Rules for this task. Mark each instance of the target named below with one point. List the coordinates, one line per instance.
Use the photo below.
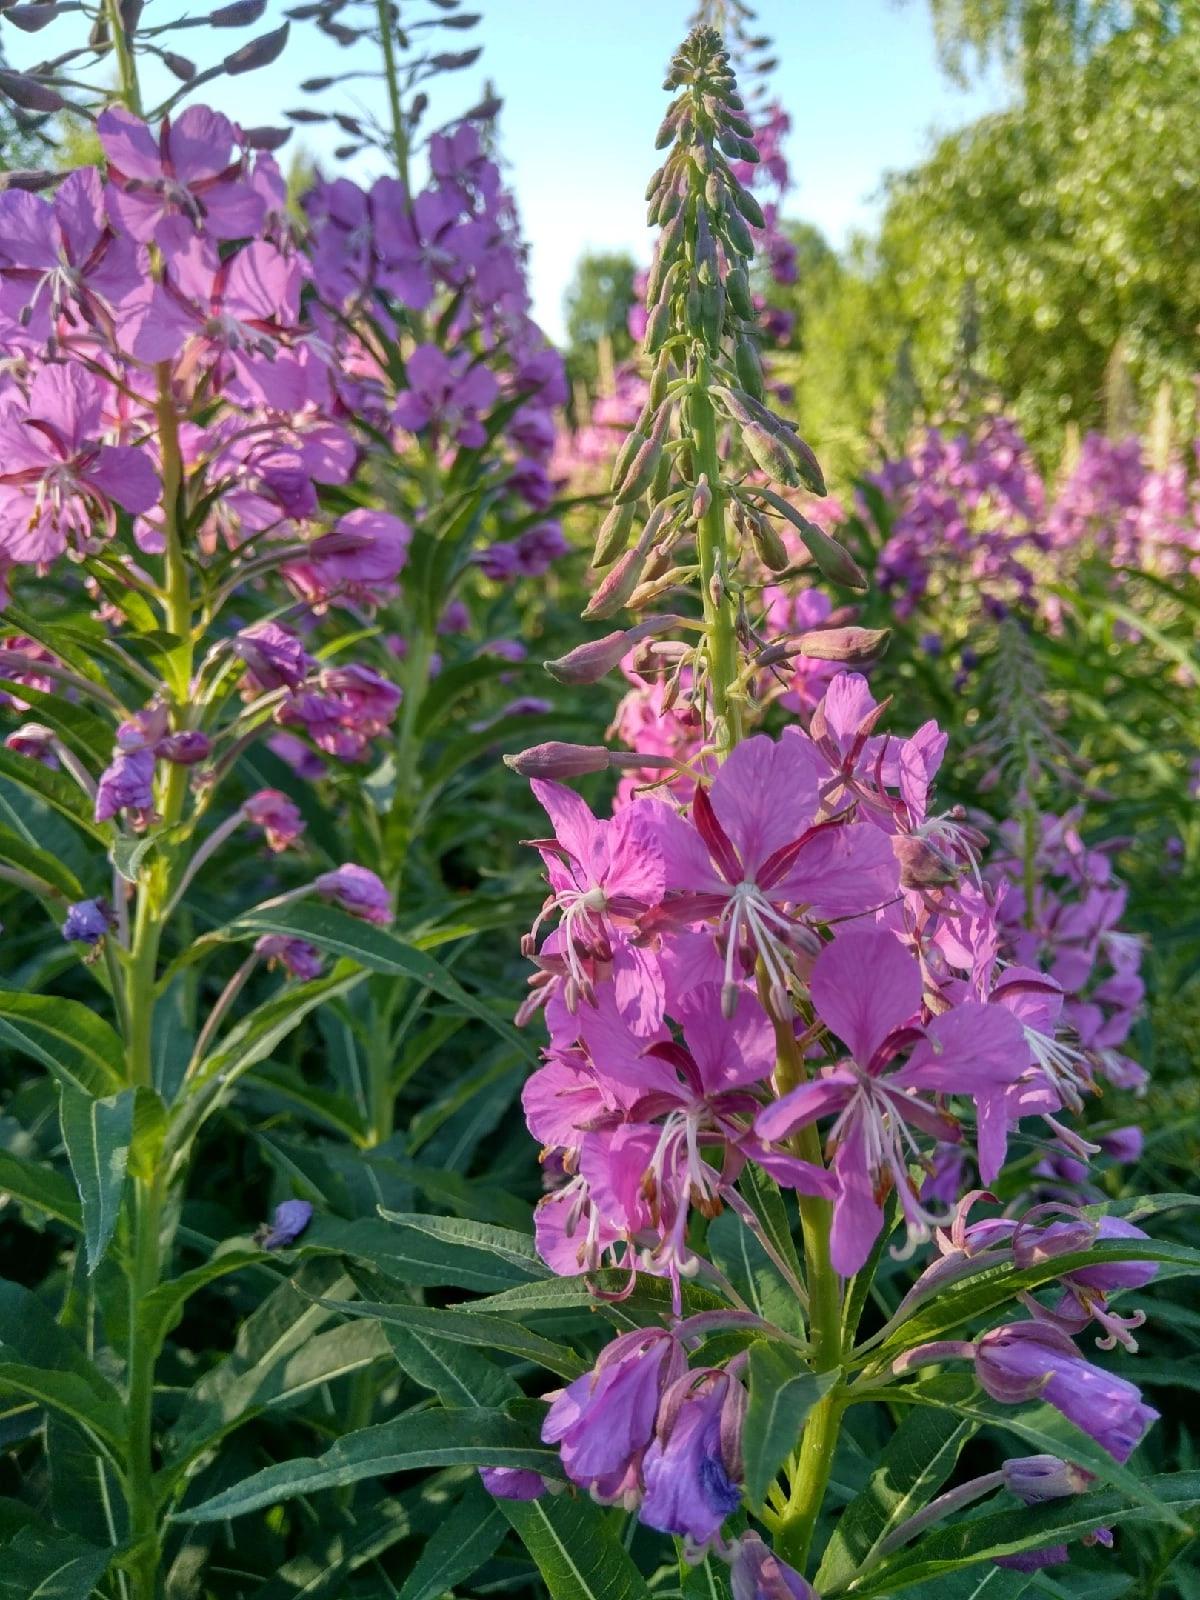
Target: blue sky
(582, 86)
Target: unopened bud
(649, 593)
(259, 52)
(701, 499)
(30, 94)
(184, 749)
(614, 534)
(557, 760)
(658, 327)
(768, 545)
(590, 662)
(748, 206)
(855, 646)
(922, 866)
(749, 367)
(1037, 1478)
(617, 585)
(769, 454)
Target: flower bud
(590, 662)
(748, 206)
(614, 534)
(557, 760)
(617, 585)
(855, 646)
(184, 749)
(1038, 1478)
(769, 454)
(748, 365)
(768, 546)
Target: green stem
(131, 95)
(147, 1197)
(720, 637)
(809, 1470)
(146, 1266)
(383, 12)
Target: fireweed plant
(780, 967)
(258, 474)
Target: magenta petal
(126, 475)
(729, 1052)
(805, 1104)
(857, 1215)
(764, 796)
(865, 985)
(973, 1049)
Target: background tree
(597, 306)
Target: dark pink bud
(557, 760)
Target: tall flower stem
(387, 43)
(148, 1198)
(130, 91)
(808, 1473)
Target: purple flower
(693, 1468)
(757, 1573)
(1033, 1360)
(127, 784)
(185, 749)
(276, 815)
(57, 480)
(447, 392)
(275, 658)
(190, 170)
(289, 1222)
(604, 1421)
(360, 559)
(513, 1483)
(59, 258)
(1035, 1480)
(298, 958)
(357, 890)
(87, 921)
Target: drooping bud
(855, 646)
(558, 760)
(614, 534)
(590, 662)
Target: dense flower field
(579, 1014)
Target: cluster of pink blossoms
(678, 1055)
(1137, 515)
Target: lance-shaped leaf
(409, 1442)
(47, 1564)
(377, 950)
(32, 1183)
(1010, 1531)
(575, 1548)
(463, 1327)
(78, 1047)
(460, 1544)
(42, 1362)
(783, 1390)
(918, 1460)
(98, 1134)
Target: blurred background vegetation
(1050, 248)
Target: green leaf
(458, 1546)
(464, 1327)
(80, 729)
(575, 1548)
(160, 1310)
(56, 789)
(35, 1184)
(97, 1134)
(1046, 1429)
(741, 1256)
(42, 1362)
(252, 1040)
(783, 1390)
(86, 1497)
(377, 950)
(949, 1306)
(516, 1250)
(917, 1461)
(46, 1564)
(707, 1581)
(79, 1047)
(41, 864)
(413, 1440)
(422, 1256)
(1011, 1530)
(218, 1405)
(457, 1374)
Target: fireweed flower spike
(783, 964)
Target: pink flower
(57, 479)
(359, 560)
(867, 990)
(191, 171)
(276, 815)
(357, 890)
